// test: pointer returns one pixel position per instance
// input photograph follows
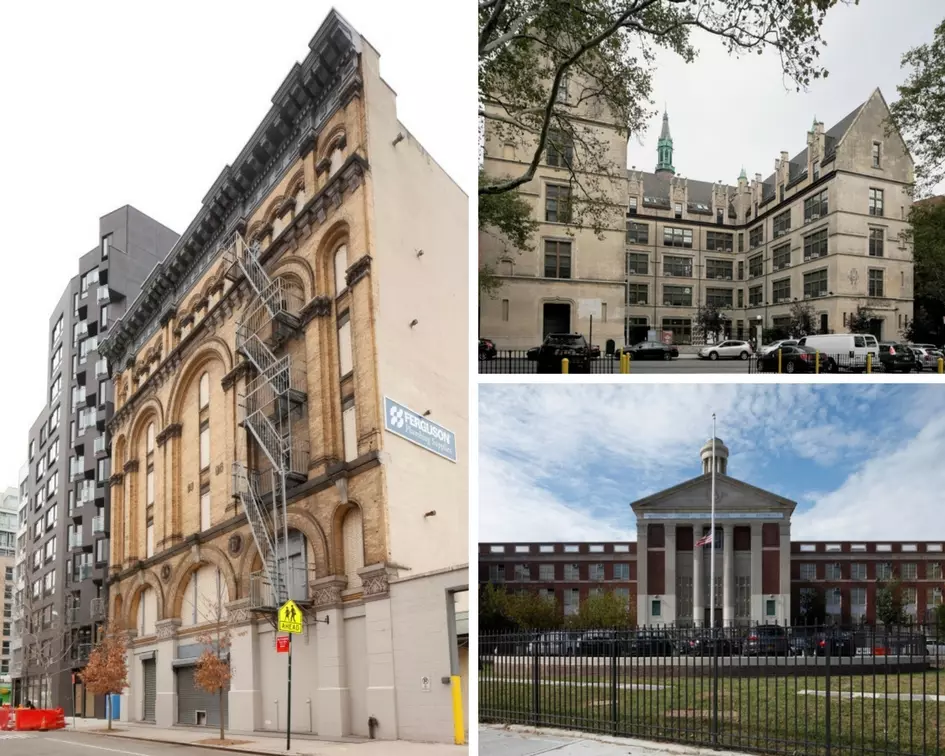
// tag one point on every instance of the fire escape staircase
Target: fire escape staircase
(267, 405)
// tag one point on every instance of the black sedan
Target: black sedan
(651, 643)
(487, 350)
(898, 358)
(703, 642)
(836, 643)
(651, 350)
(558, 346)
(796, 359)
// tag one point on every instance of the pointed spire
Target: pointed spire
(664, 134)
(743, 175)
(664, 149)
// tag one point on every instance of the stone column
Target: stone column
(379, 641)
(757, 604)
(244, 700)
(698, 603)
(128, 699)
(670, 600)
(728, 577)
(643, 603)
(333, 698)
(165, 704)
(784, 603)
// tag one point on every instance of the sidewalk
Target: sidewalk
(267, 743)
(515, 740)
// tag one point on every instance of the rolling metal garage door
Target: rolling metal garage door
(191, 700)
(150, 688)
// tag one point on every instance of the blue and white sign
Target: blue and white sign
(407, 424)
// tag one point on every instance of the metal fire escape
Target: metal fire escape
(277, 388)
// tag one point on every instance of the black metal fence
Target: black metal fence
(769, 689)
(518, 361)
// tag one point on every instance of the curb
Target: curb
(228, 749)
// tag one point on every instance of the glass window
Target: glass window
(782, 223)
(677, 266)
(205, 509)
(637, 264)
(781, 256)
(876, 202)
(677, 296)
(908, 571)
(557, 203)
(815, 206)
(815, 283)
(345, 362)
(719, 297)
(557, 259)
(815, 245)
(638, 233)
(341, 268)
(559, 150)
(877, 239)
(883, 571)
(876, 288)
(150, 438)
(638, 294)
(833, 571)
(756, 266)
(546, 573)
(719, 269)
(781, 290)
(680, 328)
(205, 446)
(857, 571)
(876, 154)
(756, 236)
(349, 430)
(621, 571)
(572, 572)
(719, 241)
(204, 391)
(677, 237)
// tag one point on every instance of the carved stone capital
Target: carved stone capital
(116, 479)
(318, 307)
(375, 580)
(238, 612)
(229, 380)
(352, 89)
(130, 635)
(169, 314)
(307, 142)
(326, 591)
(322, 166)
(171, 431)
(358, 270)
(131, 466)
(166, 629)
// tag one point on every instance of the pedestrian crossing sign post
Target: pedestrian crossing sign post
(290, 618)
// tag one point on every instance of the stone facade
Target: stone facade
(752, 249)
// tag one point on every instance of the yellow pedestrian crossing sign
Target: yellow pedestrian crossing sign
(290, 618)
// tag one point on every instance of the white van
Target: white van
(848, 349)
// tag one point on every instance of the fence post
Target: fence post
(869, 362)
(536, 678)
(564, 365)
(628, 364)
(623, 362)
(779, 360)
(816, 360)
(613, 683)
(941, 366)
(715, 681)
(827, 675)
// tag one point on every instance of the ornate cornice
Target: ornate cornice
(352, 89)
(239, 612)
(131, 466)
(171, 431)
(358, 270)
(166, 629)
(375, 580)
(318, 307)
(116, 479)
(229, 380)
(326, 591)
(169, 314)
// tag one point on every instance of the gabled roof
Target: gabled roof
(651, 502)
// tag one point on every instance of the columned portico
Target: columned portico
(728, 576)
(698, 600)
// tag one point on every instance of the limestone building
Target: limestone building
(290, 422)
(825, 227)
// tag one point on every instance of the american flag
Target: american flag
(705, 540)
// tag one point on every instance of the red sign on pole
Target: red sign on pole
(282, 644)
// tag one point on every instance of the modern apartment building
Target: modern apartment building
(19, 583)
(824, 228)
(761, 574)
(66, 543)
(9, 507)
(289, 389)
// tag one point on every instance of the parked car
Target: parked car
(775, 345)
(848, 349)
(700, 642)
(797, 359)
(651, 350)
(898, 358)
(604, 643)
(651, 643)
(556, 643)
(801, 645)
(595, 351)
(487, 350)
(732, 350)
(927, 357)
(767, 640)
(556, 347)
(837, 642)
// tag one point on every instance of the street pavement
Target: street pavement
(524, 741)
(685, 365)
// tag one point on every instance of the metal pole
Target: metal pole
(288, 716)
(712, 541)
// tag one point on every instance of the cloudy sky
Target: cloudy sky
(727, 112)
(563, 463)
(143, 103)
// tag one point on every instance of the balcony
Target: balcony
(98, 524)
(100, 446)
(78, 397)
(262, 595)
(75, 540)
(77, 468)
(85, 572)
(86, 492)
(98, 609)
(81, 330)
(81, 652)
(72, 615)
(103, 295)
(101, 368)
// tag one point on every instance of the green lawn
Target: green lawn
(767, 714)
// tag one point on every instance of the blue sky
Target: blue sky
(563, 462)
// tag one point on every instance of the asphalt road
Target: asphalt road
(63, 743)
(682, 366)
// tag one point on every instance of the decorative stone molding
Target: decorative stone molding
(358, 270)
(229, 380)
(131, 466)
(308, 142)
(322, 166)
(235, 544)
(169, 314)
(326, 591)
(351, 90)
(171, 431)
(239, 612)
(375, 580)
(166, 572)
(166, 629)
(318, 307)
(116, 479)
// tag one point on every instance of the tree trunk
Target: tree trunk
(108, 706)
(221, 713)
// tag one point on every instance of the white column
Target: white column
(333, 698)
(757, 602)
(784, 605)
(728, 577)
(670, 602)
(643, 600)
(165, 703)
(244, 700)
(698, 603)
(381, 690)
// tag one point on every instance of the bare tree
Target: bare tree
(106, 672)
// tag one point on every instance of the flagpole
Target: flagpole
(712, 542)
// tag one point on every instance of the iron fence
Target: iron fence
(518, 361)
(768, 689)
